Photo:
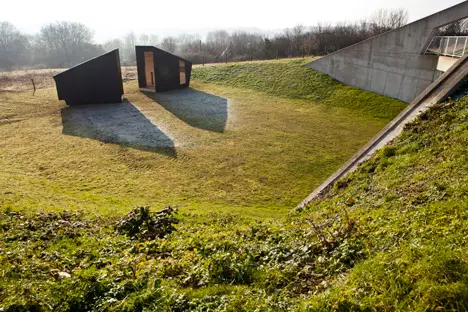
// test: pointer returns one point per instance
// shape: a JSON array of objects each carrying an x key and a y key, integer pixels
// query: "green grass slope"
[
  {"x": 411, "y": 202},
  {"x": 289, "y": 78},
  {"x": 392, "y": 236}
]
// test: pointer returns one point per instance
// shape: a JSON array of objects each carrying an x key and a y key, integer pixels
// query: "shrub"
[{"x": 141, "y": 224}]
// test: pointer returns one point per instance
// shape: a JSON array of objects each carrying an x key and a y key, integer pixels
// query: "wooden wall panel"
[
  {"x": 183, "y": 78},
  {"x": 149, "y": 69}
]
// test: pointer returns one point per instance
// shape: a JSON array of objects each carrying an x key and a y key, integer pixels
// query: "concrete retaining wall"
[{"x": 392, "y": 64}]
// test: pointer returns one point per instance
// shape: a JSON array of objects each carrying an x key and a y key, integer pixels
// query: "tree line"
[{"x": 64, "y": 44}]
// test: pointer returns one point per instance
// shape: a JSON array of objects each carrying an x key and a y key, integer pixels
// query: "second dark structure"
[{"x": 159, "y": 70}]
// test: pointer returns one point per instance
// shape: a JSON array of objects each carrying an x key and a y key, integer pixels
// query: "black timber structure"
[
  {"x": 160, "y": 71},
  {"x": 96, "y": 81}
]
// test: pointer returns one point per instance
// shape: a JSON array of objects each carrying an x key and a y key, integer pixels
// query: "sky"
[{"x": 114, "y": 18}]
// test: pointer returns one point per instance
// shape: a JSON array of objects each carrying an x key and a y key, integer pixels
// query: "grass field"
[
  {"x": 252, "y": 153},
  {"x": 391, "y": 236}
]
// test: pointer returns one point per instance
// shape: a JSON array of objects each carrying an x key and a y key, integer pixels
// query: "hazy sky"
[{"x": 113, "y": 18}]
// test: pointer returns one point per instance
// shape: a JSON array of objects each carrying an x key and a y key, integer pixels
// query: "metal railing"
[{"x": 453, "y": 46}]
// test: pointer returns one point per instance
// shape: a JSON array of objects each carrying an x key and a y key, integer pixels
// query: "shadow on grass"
[
  {"x": 196, "y": 108},
  {"x": 120, "y": 123}
]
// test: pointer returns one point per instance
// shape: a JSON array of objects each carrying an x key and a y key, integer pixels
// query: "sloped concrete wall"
[{"x": 392, "y": 64}]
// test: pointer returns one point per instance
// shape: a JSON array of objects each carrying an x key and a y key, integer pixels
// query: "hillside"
[
  {"x": 393, "y": 236},
  {"x": 290, "y": 79}
]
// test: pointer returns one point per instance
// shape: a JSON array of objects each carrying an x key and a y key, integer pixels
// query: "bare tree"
[
  {"x": 398, "y": 18},
  {"x": 384, "y": 19},
  {"x": 458, "y": 28},
  {"x": 246, "y": 46},
  {"x": 298, "y": 38},
  {"x": 189, "y": 47},
  {"x": 169, "y": 44},
  {"x": 153, "y": 40},
  {"x": 217, "y": 42},
  {"x": 113, "y": 44},
  {"x": 70, "y": 43},
  {"x": 13, "y": 46},
  {"x": 128, "y": 53},
  {"x": 187, "y": 43},
  {"x": 144, "y": 39},
  {"x": 127, "y": 43}
]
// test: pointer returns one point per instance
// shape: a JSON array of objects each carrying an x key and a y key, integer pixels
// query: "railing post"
[
  {"x": 441, "y": 42},
  {"x": 446, "y": 46},
  {"x": 443, "y": 47},
  {"x": 464, "y": 47}
]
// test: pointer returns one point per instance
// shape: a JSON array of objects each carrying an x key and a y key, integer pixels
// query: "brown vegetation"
[{"x": 22, "y": 80}]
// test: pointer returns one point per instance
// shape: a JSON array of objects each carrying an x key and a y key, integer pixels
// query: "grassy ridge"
[
  {"x": 392, "y": 236},
  {"x": 289, "y": 78}
]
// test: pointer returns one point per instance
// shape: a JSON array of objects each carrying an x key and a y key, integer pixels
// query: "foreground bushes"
[
  {"x": 142, "y": 224},
  {"x": 66, "y": 262}
]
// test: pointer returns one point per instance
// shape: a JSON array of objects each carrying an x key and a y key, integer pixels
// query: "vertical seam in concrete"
[
  {"x": 402, "y": 79},
  {"x": 386, "y": 79}
]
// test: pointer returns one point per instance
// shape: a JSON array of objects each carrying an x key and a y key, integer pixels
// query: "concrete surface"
[
  {"x": 445, "y": 62},
  {"x": 445, "y": 86},
  {"x": 392, "y": 64}
]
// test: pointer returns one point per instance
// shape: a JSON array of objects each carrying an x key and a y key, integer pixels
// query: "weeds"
[
  {"x": 142, "y": 224},
  {"x": 21, "y": 81},
  {"x": 101, "y": 269}
]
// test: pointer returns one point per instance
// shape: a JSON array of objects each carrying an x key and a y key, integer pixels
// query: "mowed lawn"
[{"x": 211, "y": 148}]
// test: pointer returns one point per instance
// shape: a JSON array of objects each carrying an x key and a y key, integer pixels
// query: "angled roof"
[
  {"x": 71, "y": 69},
  {"x": 161, "y": 51}
]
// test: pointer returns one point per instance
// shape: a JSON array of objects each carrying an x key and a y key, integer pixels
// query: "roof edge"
[
  {"x": 164, "y": 51},
  {"x": 91, "y": 59}
]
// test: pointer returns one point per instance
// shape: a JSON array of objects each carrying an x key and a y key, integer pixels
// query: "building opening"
[
  {"x": 149, "y": 69},
  {"x": 183, "y": 78}
]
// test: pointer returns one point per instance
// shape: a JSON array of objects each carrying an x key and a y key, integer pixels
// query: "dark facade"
[
  {"x": 159, "y": 70},
  {"x": 96, "y": 81}
]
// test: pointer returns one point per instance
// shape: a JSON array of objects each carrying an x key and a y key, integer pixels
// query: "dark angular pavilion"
[
  {"x": 96, "y": 81},
  {"x": 159, "y": 70}
]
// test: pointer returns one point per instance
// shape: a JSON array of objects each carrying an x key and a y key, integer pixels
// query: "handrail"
[{"x": 452, "y": 46}]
